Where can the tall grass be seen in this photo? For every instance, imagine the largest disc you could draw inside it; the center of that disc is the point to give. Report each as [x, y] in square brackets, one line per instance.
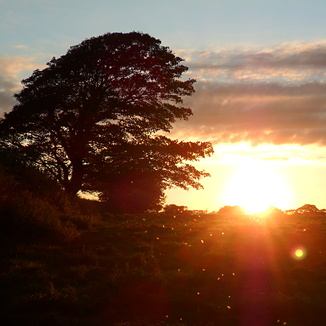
[161, 269]
[31, 212]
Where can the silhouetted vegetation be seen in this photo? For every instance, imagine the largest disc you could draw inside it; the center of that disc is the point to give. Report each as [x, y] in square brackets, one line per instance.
[63, 265]
[34, 207]
[91, 119]
[171, 269]
[231, 211]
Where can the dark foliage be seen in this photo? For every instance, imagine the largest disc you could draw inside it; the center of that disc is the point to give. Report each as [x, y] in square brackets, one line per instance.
[94, 113]
[34, 207]
[133, 192]
[139, 173]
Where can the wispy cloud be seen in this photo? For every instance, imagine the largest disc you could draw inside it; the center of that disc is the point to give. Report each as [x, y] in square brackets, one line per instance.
[21, 46]
[289, 62]
[273, 96]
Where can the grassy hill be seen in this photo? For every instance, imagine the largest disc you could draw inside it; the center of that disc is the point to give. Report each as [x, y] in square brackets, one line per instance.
[160, 269]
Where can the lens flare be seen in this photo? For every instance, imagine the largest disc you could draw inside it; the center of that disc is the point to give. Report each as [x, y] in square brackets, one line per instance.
[299, 253]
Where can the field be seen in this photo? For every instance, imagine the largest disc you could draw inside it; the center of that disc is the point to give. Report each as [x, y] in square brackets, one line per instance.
[159, 269]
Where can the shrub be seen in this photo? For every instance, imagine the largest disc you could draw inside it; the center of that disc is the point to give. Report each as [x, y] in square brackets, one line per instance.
[29, 214]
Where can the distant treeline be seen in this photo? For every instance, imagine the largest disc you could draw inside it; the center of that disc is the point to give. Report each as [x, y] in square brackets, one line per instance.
[307, 210]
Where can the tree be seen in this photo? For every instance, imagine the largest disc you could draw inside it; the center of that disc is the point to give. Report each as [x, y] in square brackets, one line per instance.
[308, 209]
[94, 114]
[139, 173]
[133, 192]
[231, 211]
[274, 211]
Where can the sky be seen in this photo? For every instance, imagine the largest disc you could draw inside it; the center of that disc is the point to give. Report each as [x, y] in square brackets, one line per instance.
[260, 98]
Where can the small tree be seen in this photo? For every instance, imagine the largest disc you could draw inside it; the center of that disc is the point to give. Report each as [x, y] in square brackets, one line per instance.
[85, 112]
[231, 211]
[307, 209]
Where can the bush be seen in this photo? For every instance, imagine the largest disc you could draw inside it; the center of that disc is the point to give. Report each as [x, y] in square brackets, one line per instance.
[27, 213]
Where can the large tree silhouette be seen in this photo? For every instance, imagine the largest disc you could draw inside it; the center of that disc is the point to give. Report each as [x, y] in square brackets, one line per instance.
[93, 115]
[140, 172]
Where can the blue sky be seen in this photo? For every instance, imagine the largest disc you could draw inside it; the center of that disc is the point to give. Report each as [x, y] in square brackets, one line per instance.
[53, 25]
[260, 68]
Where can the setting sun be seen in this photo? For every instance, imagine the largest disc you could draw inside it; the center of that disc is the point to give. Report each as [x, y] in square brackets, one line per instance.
[256, 186]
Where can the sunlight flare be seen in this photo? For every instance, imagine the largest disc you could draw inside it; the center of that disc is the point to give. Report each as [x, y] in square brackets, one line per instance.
[256, 186]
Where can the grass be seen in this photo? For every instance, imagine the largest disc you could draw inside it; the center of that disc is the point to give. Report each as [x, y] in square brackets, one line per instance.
[160, 269]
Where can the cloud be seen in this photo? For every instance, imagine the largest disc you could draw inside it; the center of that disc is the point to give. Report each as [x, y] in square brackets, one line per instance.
[275, 96]
[6, 94]
[241, 63]
[12, 70]
[285, 153]
[21, 46]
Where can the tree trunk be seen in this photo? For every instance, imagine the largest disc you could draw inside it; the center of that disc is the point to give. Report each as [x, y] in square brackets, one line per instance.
[75, 182]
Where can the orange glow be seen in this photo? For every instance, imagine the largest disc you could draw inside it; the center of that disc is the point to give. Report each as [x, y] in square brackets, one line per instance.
[256, 186]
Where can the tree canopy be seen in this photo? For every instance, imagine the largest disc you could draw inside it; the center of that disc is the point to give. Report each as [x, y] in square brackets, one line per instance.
[94, 117]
